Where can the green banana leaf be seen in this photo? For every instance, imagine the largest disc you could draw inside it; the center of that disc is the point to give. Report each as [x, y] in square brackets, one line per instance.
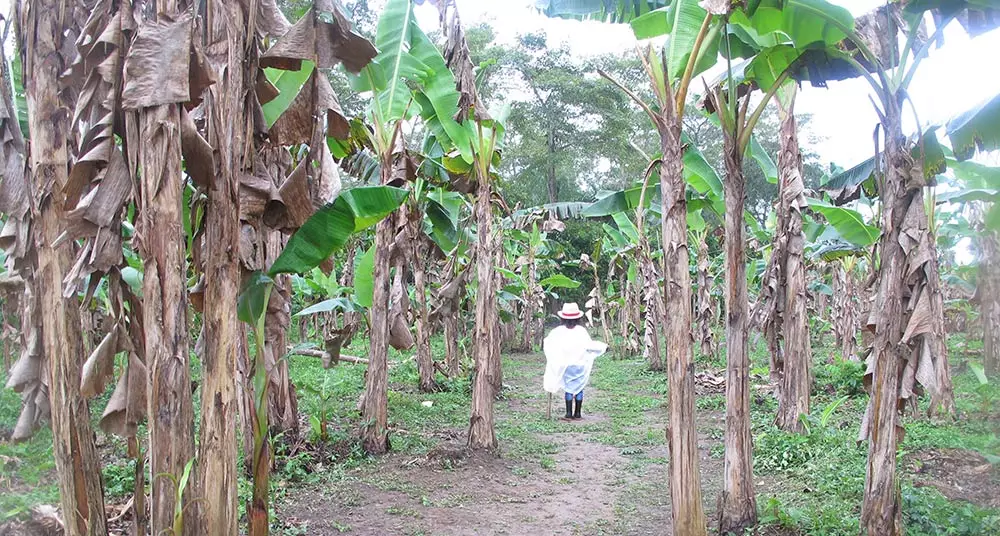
[330, 227]
[682, 21]
[558, 281]
[333, 304]
[976, 128]
[849, 223]
[615, 11]
[364, 278]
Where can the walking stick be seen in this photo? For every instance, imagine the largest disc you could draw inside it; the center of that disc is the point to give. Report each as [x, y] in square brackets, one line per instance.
[548, 410]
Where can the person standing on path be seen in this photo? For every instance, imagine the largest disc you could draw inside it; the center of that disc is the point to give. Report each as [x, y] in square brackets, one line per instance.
[569, 358]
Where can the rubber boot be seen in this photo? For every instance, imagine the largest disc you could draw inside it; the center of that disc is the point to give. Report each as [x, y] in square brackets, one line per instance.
[576, 413]
[569, 409]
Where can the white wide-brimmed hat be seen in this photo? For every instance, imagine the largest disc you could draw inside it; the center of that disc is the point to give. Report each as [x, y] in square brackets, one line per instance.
[570, 311]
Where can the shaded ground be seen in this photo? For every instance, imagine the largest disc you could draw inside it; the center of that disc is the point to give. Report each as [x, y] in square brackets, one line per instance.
[605, 474]
[958, 474]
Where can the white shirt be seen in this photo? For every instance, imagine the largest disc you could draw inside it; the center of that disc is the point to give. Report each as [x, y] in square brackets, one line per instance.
[565, 347]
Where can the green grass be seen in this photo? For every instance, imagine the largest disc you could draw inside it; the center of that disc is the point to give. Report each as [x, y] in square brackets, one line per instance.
[810, 483]
[820, 476]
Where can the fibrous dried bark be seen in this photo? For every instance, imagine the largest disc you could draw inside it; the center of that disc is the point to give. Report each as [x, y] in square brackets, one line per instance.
[737, 503]
[448, 305]
[845, 309]
[42, 44]
[158, 71]
[420, 248]
[485, 338]
[230, 128]
[705, 308]
[682, 437]
[783, 293]
[881, 511]
[988, 295]
[26, 375]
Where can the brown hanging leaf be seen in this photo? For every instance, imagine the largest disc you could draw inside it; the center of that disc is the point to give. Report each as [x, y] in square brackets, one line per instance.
[296, 124]
[29, 419]
[259, 196]
[295, 196]
[100, 366]
[459, 60]
[199, 160]
[164, 65]
[323, 35]
[103, 203]
[127, 406]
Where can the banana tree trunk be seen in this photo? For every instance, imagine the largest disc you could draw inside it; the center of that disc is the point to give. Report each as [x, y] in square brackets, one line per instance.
[989, 301]
[283, 411]
[77, 464]
[451, 345]
[654, 317]
[485, 340]
[425, 362]
[530, 301]
[822, 300]
[599, 296]
[630, 326]
[217, 450]
[737, 503]
[351, 319]
[682, 436]
[943, 396]
[244, 396]
[881, 511]
[845, 314]
[795, 356]
[705, 310]
[374, 406]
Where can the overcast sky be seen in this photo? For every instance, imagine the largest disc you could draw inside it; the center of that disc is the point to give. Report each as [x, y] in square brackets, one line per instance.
[951, 80]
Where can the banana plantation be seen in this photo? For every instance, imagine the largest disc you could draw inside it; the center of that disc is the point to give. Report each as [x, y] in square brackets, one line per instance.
[289, 266]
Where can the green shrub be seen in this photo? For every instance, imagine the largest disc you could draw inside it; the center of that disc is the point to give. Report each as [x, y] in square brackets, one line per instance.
[927, 513]
[845, 378]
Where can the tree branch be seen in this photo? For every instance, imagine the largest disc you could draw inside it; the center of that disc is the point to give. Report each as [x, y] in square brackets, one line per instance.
[645, 107]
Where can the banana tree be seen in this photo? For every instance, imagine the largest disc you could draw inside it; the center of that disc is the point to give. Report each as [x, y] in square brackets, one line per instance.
[526, 248]
[323, 233]
[471, 138]
[450, 292]
[623, 305]
[771, 66]
[786, 325]
[845, 242]
[406, 56]
[634, 242]
[339, 302]
[432, 233]
[905, 337]
[692, 48]
[597, 297]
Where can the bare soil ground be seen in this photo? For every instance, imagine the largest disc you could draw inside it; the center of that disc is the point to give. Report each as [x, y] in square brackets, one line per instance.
[584, 482]
[958, 474]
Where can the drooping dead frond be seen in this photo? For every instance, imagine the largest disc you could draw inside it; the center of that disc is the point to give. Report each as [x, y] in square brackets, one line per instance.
[459, 60]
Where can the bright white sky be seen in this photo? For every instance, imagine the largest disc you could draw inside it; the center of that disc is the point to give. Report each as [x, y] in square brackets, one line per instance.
[951, 80]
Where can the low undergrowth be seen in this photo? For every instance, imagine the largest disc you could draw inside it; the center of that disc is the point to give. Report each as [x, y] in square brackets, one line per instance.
[808, 483]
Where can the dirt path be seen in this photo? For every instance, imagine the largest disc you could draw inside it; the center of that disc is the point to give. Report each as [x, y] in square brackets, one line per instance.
[606, 474]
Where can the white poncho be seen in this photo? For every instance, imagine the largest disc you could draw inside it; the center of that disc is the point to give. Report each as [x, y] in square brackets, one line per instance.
[569, 356]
